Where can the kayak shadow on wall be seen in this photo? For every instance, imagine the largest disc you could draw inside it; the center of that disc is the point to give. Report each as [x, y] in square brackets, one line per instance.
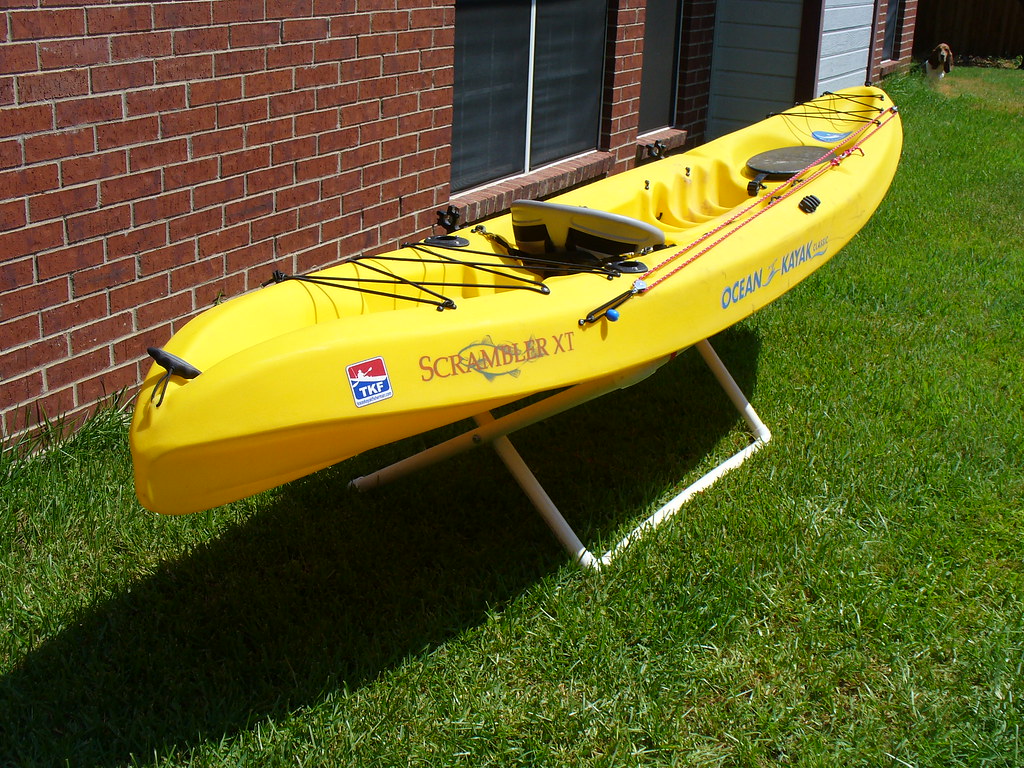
[324, 589]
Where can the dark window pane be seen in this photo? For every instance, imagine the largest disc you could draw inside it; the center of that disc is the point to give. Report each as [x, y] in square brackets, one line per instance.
[492, 47]
[661, 56]
[568, 77]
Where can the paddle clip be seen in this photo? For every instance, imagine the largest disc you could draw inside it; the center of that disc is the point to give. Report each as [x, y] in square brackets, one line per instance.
[610, 309]
[173, 366]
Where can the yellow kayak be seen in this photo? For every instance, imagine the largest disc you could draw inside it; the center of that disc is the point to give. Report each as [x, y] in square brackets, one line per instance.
[313, 369]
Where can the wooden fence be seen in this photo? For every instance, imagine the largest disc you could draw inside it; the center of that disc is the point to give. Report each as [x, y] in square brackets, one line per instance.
[979, 28]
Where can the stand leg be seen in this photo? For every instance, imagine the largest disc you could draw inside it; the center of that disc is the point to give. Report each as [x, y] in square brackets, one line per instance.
[495, 431]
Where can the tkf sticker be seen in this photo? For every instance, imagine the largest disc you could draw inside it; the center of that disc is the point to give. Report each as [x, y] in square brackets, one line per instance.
[369, 381]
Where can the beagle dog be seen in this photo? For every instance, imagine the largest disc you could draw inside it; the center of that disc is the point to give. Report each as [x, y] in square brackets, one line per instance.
[939, 62]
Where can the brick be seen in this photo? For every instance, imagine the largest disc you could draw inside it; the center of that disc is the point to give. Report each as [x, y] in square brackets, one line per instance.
[269, 131]
[336, 95]
[218, 192]
[33, 357]
[275, 177]
[45, 24]
[289, 9]
[227, 11]
[78, 367]
[184, 227]
[184, 68]
[389, 21]
[32, 298]
[317, 167]
[95, 109]
[294, 30]
[188, 174]
[22, 390]
[197, 273]
[214, 91]
[133, 349]
[316, 257]
[252, 35]
[320, 211]
[107, 384]
[263, 83]
[30, 240]
[248, 209]
[289, 55]
[89, 336]
[161, 99]
[118, 77]
[293, 197]
[127, 132]
[272, 226]
[174, 308]
[20, 121]
[132, 187]
[247, 160]
[292, 103]
[250, 256]
[162, 260]
[218, 142]
[335, 50]
[118, 19]
[10, 154]
[188, 121]
[317, 75]
[29, 181]
[68, 260]
[77, 170]
[243, 112]
[197, 40]
[209, 294]
[17, 58]
[294, 149]
[98, 223]
[81, 52]
[161, 208]
[16, 273]
[299, 240]
[239, 62]
[48, 86]
[22, 330]
[158, 155]
[136, 241]
[223, 240]
[62, 144]
[137, 292]
[141, 45]
[317, 122]
[117, 272]
[182, 14]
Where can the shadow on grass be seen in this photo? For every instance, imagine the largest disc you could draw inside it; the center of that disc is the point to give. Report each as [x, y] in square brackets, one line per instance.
[324, 589]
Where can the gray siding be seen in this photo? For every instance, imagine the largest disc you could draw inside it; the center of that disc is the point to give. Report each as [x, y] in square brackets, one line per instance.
[845, 44]
[753, 66]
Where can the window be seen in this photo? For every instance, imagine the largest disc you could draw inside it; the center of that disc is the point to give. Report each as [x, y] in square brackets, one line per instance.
[528, 81]
[893, 22]
[661, 65]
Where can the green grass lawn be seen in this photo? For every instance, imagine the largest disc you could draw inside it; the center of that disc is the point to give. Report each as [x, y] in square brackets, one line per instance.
[852, 596]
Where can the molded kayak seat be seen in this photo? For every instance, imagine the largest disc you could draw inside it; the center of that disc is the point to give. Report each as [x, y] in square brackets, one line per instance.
[545, 228]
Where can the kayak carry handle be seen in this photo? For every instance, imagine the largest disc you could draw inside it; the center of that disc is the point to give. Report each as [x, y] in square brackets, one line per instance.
[174, 366]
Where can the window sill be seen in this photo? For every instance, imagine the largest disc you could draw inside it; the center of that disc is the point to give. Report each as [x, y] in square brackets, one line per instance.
[497, 197]
[671, 138]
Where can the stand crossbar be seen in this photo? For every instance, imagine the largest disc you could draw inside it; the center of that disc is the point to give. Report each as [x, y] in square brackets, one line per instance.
[495, 431]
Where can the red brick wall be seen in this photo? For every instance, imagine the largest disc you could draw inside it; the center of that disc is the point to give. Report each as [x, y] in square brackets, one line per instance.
[156, 157]
[881, 65]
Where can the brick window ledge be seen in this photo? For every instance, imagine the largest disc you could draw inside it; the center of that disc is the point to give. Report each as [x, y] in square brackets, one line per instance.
[495, 198]
[672, 138]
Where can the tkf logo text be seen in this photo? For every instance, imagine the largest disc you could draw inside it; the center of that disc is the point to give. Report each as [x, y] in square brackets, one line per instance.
[760, 278]
[369, 381]
[492, 359]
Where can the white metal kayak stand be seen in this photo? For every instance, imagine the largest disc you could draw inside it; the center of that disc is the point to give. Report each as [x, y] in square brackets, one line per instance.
[495, 432]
